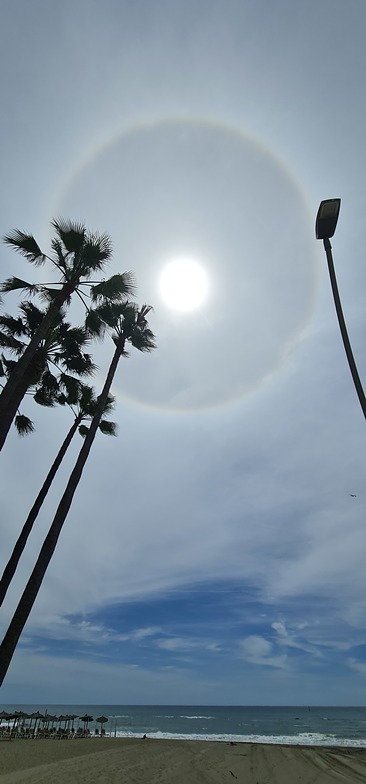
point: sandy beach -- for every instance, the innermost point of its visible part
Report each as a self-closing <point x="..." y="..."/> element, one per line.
<point x="135" y="761"/>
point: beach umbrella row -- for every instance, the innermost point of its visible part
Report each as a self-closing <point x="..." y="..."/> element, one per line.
<point x="46" y="718"/>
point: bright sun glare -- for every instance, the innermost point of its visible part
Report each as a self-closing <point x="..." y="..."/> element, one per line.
<point x="183" y="284"/>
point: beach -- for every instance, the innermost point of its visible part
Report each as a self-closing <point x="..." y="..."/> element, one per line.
<point x="136" y="761"/>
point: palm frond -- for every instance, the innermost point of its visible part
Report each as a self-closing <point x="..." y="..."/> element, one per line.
<point x="83" y="430"/>
<point x="33" y="315"/>
<point x="49" y="382"/>
<point x="48" y="295"/>
<point x="96" y="251"/>
<point x="72" y="387"/>
<point x="87" y="398"/>
<point x="72" y="339"/>
<point x="109" y="404"/>
<point x="71" y="234"/>
<point x="24" y="425"/>
<point x="12" y="325"/>
<point x="115" y="288"/>
<point x="26" y="245"/>
<point x="144" y="311"/>
<point x="2" y="369"/>
<point x="99" y="245"/>
<point x="135" y="328"/>
<point x="8" y="341"/>
<point x="45" y="397"/>
<point x="108" y="428"/>
<point x="59" y="259"/>
<point x="9" y="364"/>
<point x="95" y="325"/>
<point x="81" y="364"/>
<point x="62" y="399"/>
<point x="143" y="340"/>
<point x="13" y="283"/>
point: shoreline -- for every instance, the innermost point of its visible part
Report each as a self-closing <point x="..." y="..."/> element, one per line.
<point x="331" y="742"/>
<point x="109" y="760"/>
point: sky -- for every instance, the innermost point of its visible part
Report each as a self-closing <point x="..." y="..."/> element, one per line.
<point x="214" y="552"/>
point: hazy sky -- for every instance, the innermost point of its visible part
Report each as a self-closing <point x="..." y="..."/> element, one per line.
<point x="213" y="552"/>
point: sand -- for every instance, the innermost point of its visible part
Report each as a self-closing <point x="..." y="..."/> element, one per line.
<point x="135" y="761"/>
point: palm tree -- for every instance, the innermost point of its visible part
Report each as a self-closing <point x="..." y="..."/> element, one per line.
<point x="23" y="424"/>
<point x="129" y="325"/>
<point x="83" y="410"/>
<point x="77" y="255"/>
<point x="61" y="348"/>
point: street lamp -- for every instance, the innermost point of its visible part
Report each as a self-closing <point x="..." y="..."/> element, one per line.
<point x="325" y="226"/>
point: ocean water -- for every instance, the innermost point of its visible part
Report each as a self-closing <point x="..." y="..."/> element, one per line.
<point x="317" y="726"/>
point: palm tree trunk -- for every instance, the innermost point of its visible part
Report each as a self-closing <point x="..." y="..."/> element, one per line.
<point x="13" y="561"/>
<point x="9" y="397"/>
<point x="28" y="378"/>
<point x="34" y="583"/>
<point x="7" y="418"/>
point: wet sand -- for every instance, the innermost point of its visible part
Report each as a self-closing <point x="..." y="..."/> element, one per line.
<point x="135" y="761"/>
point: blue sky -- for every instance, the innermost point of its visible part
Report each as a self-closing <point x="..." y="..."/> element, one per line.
<point x="213" y="552"/>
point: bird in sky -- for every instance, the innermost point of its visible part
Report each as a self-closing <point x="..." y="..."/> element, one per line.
<point x="353" y="495"/>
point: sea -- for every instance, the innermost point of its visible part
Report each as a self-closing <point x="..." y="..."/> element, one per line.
<point x="315" y="726"/>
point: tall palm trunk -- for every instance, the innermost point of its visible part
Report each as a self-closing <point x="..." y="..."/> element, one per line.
<point x="30" y="376"/>
<point x="14" y="559"/>
<point x="9" y="398"/>
<point x="34" y="583"/>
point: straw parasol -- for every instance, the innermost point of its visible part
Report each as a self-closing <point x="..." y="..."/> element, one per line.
<point x="37" y="716"/>
<point x="70" y="719"/>
<point x="71" y="716"/>
<point x="49" y="719"/>
<point x="86" y="719"/>
<point x="5" y="715"/>
<point x="101" y="720"/>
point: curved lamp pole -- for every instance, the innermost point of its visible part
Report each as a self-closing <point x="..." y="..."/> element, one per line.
<point x="325" y="226"/>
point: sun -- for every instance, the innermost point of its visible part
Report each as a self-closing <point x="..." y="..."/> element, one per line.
<point x="183" y="284"/>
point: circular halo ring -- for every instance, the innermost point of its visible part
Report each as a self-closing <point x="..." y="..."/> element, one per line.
<point x="239" y="135"/>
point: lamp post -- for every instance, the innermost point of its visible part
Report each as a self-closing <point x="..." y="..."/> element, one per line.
<point x="325" y="226"/>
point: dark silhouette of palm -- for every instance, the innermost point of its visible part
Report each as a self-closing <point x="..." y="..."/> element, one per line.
<point x="61" y="349"/>
<point x="83" y="410"/>
<point x="77" y="254"/>
<point x="129" y="325"/>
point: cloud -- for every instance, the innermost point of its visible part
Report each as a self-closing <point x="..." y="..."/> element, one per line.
<point x="357" y="665"/>
<point x="177" y="644"/>
<point x="292" y="639"/>
<point x="83" y="631"/>
<point x="141" y="634"/>
<point x="257" y="650"/>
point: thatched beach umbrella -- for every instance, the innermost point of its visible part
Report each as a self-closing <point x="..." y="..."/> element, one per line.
<point x="5" y="715"/>
<point x="86" y="719"/>
<point x="15" y="718"/>
<point x="21" y="715"/>
<point x="47" y="719"/>
<point x="37" y="716"/>
<point x="101" y="720"/>
<point x="70" y="718"/>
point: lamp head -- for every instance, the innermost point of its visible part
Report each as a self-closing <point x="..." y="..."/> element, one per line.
<point x="326" y="219"/>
